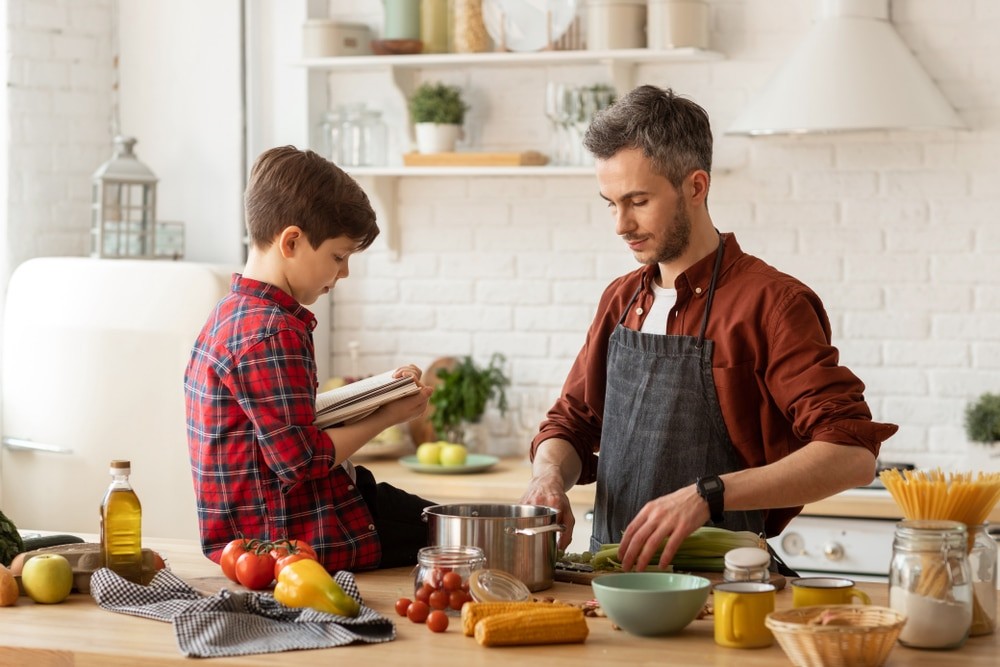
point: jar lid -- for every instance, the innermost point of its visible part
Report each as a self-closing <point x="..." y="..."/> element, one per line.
<point x="748" y="558"/>
<point x="451" y="556"/>
<point x="497" y="586"/>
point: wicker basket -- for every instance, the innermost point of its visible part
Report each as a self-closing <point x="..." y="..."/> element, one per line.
<point x="848" y="636"/>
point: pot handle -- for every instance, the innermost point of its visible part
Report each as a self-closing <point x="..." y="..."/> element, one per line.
<point x="511" y="530"/>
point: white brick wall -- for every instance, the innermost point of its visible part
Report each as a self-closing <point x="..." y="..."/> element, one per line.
<point x="60" y="98"/>
<point x="898" y="232"/>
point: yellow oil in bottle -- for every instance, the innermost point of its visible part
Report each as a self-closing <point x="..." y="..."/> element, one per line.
<point x="121" y="525"/>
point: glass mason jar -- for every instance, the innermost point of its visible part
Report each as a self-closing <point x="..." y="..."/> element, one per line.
<point x="330" y="135"/>
<point x="468" y="32"/>
<point x="374" y="134"/>
<point x="352" y="140"/>
<point x="441" y="577"/>
<point x="983" y="565"/>
<point x="930" y="582"/>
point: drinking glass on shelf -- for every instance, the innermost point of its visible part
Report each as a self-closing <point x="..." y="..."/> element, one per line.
<point x="558" y="109"/>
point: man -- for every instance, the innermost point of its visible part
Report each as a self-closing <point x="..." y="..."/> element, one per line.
<point x="707" y="381"/>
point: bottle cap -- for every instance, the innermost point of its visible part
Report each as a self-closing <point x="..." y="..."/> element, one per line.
<point x="747" y="558"/>
<point x="118" y="465"/>
<point x="488" y="585"/>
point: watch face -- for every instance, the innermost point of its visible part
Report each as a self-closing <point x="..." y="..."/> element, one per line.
<point x="711" y="484"/>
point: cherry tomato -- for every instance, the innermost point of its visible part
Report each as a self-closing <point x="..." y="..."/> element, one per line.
<point x="437" y="621"/>
<point x="424" y="593"/>
<point x="452" y="581"/>
<point x="255" y="570"/>
<point x="433" y="577"/>
<point x="438" y="599"/>
<point x="457" y="598"/>
<point x="418" y="611"/>
<point x="402" y="605"/>
<point x="230" y="554"/>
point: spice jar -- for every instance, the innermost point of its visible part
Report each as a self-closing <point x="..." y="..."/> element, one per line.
<point x="747" y="564"/>
<point x="983" y="567"/>
<point x="930" y="582"/>
<point x="441" y="577"/>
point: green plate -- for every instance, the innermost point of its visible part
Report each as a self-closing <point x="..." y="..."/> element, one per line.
<point x="473" y="463"/>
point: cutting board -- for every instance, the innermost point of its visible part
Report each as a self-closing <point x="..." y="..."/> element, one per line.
<point x="490" y="159"/>
<point x="572" y="577"/>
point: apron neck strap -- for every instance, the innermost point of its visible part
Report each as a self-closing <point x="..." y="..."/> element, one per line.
<point x="711" y="291"/>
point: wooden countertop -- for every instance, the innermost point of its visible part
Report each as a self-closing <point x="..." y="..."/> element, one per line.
<point x="78" y="632"/>
<point x="506" y="481"/>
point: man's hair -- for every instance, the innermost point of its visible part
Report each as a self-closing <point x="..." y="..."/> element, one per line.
<point x="292" y="187"/>
<point x="673" y="132"/>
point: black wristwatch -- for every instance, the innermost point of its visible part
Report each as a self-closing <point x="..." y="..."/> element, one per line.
<point x="713" y="491"/>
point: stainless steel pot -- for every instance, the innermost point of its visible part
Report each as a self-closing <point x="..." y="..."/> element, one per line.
<point x="518" y="539"/>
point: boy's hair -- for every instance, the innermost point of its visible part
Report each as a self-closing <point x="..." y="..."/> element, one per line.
<point x="292" y="187"/>
<point x="673" y="132"/>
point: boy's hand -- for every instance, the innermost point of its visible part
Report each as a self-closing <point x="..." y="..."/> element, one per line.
<point x="408" y="407"/>
<point x="410" y="370"/>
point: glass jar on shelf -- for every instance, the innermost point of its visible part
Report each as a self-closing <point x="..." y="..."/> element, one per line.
<point x="468" y="32"/>
<point x="330" y="129"/>
<point x="352" y="140"/>
<point x="374" y="136"/>
<point x="930" y="582"/>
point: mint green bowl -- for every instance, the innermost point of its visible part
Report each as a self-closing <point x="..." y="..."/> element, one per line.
<point x="650" y="604"/>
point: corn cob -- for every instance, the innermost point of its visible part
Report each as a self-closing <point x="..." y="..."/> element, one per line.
<point x="473" y="612"/>
<point x="546" y="625"/>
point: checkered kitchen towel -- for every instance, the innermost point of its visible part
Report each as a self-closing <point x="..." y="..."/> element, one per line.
<point x="237" y="623"/>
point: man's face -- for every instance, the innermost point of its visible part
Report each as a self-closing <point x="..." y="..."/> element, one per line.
<point x="649" y="213"/>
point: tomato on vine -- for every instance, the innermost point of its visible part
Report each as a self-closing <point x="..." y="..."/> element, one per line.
<point x="230" y="554"/>
<point x="255" y="568"/>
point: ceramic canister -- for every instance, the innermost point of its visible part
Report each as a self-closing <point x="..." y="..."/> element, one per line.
<point x="674" y="24"/>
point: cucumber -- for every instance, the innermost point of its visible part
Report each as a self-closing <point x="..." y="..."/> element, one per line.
<point x="42" y="541"/>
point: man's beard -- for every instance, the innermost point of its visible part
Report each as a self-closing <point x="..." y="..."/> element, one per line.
<point x="676" y="239"/>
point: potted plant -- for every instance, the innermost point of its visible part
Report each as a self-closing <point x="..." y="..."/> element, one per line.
<point x="437" y="111"/>
<point x="982" y="425"/>
<point x="463" y="394"/>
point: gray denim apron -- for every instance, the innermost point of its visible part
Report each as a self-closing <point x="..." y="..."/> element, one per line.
<point x="663" y="427"/>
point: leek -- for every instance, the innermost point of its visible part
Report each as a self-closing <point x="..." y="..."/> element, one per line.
<point x="704" y="550"/>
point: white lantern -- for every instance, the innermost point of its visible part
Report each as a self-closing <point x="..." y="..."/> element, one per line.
<point x="123" y="220"/>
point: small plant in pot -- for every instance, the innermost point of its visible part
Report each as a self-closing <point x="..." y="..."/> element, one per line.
<point x="463" y="395"/>
<point x="982" y="425"/>
<point x="437" y="111"/>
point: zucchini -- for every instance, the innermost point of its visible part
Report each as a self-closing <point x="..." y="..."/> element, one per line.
<point x="42" y="541"/>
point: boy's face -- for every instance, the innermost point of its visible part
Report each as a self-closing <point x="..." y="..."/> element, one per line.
<point x="314" y="271"/>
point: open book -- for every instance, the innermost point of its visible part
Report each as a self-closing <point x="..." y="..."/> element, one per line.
<point x="359" y="399"/>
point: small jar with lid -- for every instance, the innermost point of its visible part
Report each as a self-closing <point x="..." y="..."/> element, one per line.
<point x="930" y="583"/>
<point x="441" y="577"/>
<point x="747" y="564"/>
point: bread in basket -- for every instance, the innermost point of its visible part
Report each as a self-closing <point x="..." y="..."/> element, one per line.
<point x="836" y="635"/>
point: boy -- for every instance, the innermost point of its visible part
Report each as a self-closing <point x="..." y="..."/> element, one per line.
<point x="261" y="469"/>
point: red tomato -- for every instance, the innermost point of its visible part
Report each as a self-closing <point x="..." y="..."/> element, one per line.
<point x="285" y="547"/>
<point x="402" y="605"/>
<point x="433" y="577"/>
<point x="437" y="621"/>
<point x="255" y="570"/>
<point x="417" y="611"/>
<point x="452" y="581"/>
<point x="438" y="599"/>
<point x="230" y="554"/>
<point x="288" y="559"/>
<point x="457" y="598"/>
<point x="424" y="592"/>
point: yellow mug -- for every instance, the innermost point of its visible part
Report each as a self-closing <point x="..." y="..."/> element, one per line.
<point x="740" y="610"/>
<point x="811" y="591"/>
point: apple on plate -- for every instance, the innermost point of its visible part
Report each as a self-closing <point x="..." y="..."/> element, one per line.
<point x="47" y="578"/>
<point x="453" y="454"/>
<point x="429" y="453"/>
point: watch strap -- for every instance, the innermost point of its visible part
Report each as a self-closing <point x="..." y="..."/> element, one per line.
<point x="712" y="489"/>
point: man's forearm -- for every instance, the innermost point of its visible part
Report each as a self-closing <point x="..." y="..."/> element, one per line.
<point x="817" y="471"/>
<point x="557" y="457"/>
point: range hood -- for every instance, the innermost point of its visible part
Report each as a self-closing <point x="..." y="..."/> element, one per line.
<point x="851" y="73"/>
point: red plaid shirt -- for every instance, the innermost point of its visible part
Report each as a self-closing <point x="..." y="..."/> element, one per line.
<point x="261" y="469"/>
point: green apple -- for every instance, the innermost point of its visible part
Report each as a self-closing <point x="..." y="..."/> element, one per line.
<point x="429" y="453"/>
<point x="47" y="578"/>
<point x="453" y="454"/>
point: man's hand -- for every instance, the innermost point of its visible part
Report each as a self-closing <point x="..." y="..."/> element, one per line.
<point x="548" y="490"/>
<point x="672" y="518"/>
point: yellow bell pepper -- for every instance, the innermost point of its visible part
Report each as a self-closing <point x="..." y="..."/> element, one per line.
<point x="306" y="583"/>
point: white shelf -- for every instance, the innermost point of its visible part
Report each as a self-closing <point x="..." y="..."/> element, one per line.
<point x="508" y="59"/>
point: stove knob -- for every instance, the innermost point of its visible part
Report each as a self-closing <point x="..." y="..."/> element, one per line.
<point x="793" y="544"/>
<point x="833" y="551"/>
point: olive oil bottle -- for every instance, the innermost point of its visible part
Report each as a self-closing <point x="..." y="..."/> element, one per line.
<point x="121" y="525"/>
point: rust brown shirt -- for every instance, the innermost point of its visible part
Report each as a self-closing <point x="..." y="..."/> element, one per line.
<point x="778" y="376"/>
